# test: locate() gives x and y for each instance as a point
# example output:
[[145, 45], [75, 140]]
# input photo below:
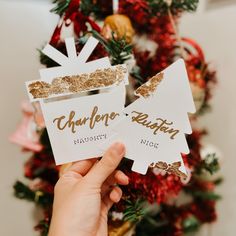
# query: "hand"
[[85, 193]]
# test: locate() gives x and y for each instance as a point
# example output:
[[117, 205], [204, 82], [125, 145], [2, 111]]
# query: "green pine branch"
[[161, 6], [191, 224], [134, 211], [45, 60], [209, 164], [205, 195], [43, 227], [22, 191], [153, 224], [136, 74], [61, 6], [118, 49], [87, 7], [218, 181], [204, 109]]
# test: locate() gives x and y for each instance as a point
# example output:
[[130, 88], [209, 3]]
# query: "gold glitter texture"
[[149, 87], [170, 168], [78, 83]]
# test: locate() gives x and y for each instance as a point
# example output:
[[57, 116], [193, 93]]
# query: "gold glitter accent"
[[119, 228], [170, 168], [149, 87], [39, 89], [78, 83]]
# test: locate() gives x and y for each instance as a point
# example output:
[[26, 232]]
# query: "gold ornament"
[[121, 229], [120, 25]]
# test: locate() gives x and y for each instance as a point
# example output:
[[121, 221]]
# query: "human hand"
[[85, 193]]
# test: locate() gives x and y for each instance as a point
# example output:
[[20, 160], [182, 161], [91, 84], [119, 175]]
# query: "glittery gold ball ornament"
[[120, 25], [120, 229]]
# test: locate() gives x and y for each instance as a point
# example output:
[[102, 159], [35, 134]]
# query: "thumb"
[[109, 162]]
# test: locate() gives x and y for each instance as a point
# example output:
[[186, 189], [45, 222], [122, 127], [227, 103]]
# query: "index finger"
[[82, 167]]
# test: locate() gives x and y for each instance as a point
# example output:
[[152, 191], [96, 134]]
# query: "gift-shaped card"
[[77, 122], [153, 127]]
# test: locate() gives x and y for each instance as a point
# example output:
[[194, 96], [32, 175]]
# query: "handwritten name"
[[160, 125], [72, 122]]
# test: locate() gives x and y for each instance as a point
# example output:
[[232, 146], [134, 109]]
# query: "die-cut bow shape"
[[75, 74]]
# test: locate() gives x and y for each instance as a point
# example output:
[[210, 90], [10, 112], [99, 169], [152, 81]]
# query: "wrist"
[[58, 229]]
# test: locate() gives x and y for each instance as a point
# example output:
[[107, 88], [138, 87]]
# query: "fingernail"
[[119, 148], [126, 179], [121, 178]]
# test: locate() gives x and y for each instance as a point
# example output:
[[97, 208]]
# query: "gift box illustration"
[[76, 121]]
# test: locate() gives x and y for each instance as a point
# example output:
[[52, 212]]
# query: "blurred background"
[[26, 25]]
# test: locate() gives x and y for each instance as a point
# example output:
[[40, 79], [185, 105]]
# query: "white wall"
[[215, 30], [26, 25]]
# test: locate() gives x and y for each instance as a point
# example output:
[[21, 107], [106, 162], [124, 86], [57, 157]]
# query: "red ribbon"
[[56, 35], [200, 53]]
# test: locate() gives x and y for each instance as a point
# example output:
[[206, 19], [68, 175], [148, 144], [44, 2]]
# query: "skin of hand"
[[85, 193]]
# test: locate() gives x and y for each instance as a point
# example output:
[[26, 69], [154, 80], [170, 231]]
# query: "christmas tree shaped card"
[[153, 127], [76, 121]]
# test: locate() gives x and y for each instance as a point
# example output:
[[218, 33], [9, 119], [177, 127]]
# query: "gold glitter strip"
[[170, 168], [78, 83], [150, 86]]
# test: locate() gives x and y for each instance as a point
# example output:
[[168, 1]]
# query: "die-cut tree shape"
[[153, 127]]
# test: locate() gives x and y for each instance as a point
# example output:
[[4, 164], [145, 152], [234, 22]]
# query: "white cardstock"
[[77, 124], [153, 128]]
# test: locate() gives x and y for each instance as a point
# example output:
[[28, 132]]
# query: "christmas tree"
[[145, 122], [152, 204]]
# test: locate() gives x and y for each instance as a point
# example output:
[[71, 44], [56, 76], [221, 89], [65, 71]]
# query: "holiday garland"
[[151, 203]]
